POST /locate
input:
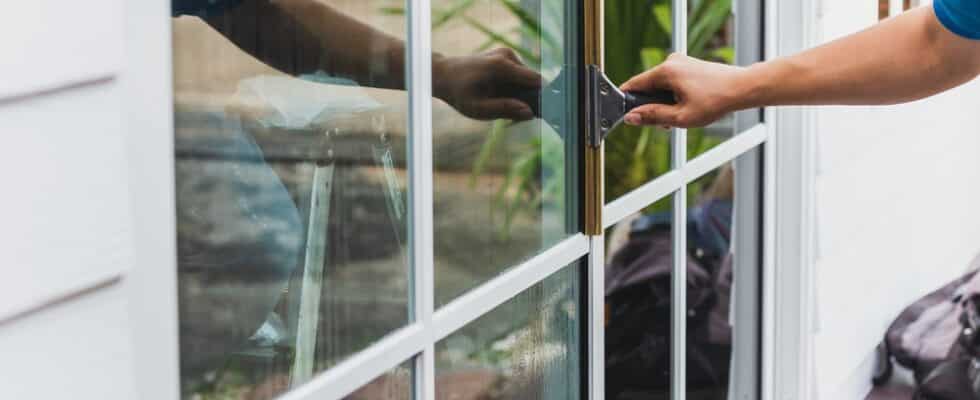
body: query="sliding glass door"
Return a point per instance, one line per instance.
(683, 217)
(393, 199)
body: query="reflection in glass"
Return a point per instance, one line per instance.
(641, 40)
(710, 269)
(638, 305)
(527, 348)
(290, 181)
(638, 296)
(711, 36)
(396, 384)
(505, 132)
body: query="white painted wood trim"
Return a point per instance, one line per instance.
(787, 303)
(421, 242)
(146, 83)
(666, 184)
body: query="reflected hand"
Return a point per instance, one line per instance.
(485, 86)
(705, 92)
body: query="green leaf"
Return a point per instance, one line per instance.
(652, 57)
(498, 131)
(638, 170)
(724, 54)
(528, 56)
(486, 45)
(444, 16)
(392, 10)
(529, 22)
(663, 16)
(708, 25)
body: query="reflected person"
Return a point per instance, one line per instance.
(306, 36)
(239, 229)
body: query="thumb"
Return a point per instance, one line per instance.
(653, 114)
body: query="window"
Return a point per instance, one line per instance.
(378, 220)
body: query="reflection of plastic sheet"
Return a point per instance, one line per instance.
(298, 103)
(239, 236)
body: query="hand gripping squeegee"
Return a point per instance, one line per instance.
(606, 105)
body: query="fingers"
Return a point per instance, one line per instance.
(655, 114)
(512, 70)
(508, 53)
(521, 76)
(659, 77)
(494, 108)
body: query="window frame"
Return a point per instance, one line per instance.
(148, 79)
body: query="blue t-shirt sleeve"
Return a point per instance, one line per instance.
(203, 8)
(960, 16)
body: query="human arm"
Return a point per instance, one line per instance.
(906, 58)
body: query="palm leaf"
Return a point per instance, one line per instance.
(530, 23)
(528, 56)
(708, 25)
(498, 131)
(444, 16)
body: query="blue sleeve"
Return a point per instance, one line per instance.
(202, 8)
(960, 16)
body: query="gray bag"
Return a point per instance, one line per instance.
(936, 339)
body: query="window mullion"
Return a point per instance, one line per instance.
(419, 78)
(679, 233)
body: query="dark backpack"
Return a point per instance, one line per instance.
(937, 339)
(638, 299)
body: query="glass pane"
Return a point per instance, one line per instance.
(290, 182)
(641, 40)
(638, 304)
(527, 348)
(638, 295)
(396, 384)
(505, 135)
(711, 36)
(710, 270)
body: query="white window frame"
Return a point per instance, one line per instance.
(788, 299)
(147, 79)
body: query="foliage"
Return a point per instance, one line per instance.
(641, 40)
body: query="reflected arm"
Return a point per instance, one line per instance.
(303, 36)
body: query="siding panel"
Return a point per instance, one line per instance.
(50, 44)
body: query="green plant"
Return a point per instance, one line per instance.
(641, 40)
(534, 177)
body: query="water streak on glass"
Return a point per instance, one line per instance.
(504, 135)
(527, 348)
(291, 189)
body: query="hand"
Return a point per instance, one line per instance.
(485, 86)
(705, 92)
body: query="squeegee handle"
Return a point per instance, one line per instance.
(636, 99)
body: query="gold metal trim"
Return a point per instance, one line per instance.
(594, 162)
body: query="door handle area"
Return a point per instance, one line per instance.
(637, 99)
(607, 105)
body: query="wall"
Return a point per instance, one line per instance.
(66, 220)
(897, 198)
